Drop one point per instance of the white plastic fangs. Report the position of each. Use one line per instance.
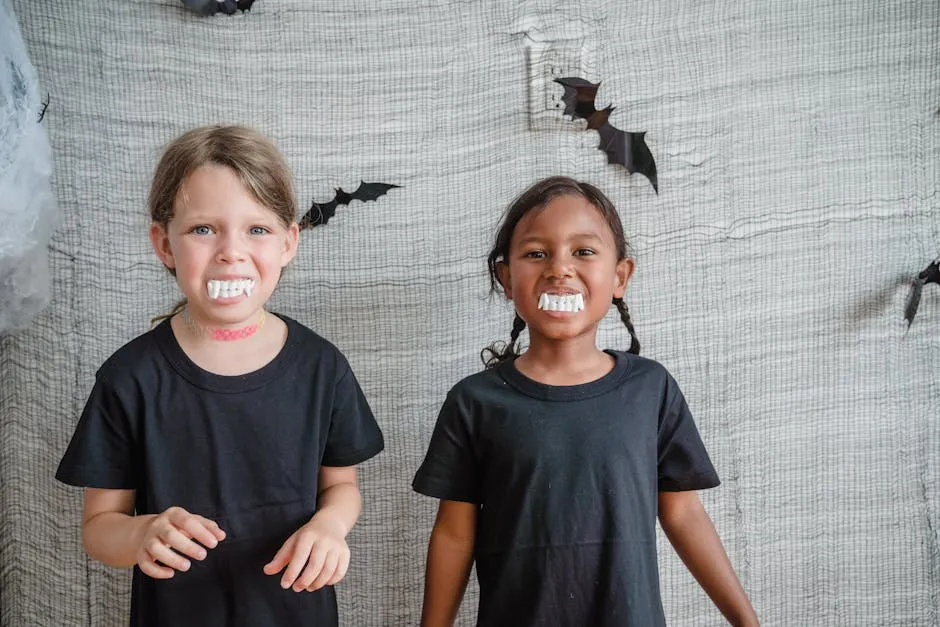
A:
(230, 289)
(561, 302)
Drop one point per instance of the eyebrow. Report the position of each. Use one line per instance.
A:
(528, 239)
(198, 216)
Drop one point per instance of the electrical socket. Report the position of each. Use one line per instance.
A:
(559, 64)
(548, 60)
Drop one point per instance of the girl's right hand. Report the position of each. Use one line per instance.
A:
(172, 536)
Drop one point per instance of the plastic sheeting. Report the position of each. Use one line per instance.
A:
(28, 210)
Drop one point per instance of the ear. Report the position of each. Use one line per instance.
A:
(622, 276)
(291, 240)
(505, 278)
(161, 245)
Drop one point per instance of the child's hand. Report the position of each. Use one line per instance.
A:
(169, 537)
(318, 549)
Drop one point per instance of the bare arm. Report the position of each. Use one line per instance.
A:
(339, 500)
(110, 531)
(694, 538)
(317, 555)
(450, 556)
(158, 543)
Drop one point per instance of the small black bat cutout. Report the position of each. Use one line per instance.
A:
(622, 147)
(45, 105)
(211, 7)
(930, 274)
(320, 213)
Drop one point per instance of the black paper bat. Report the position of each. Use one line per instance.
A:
(623, 147)
(930, 274)
(320, 213)
(211, 7)
(45, 105)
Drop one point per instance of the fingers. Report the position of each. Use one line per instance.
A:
(310, 564)
(303, 544)
(165, 555)
(206, 531)
(341, 569)
(330, 564)
(175, 539)
(172, 537)
(311, 558)
(201, 529)
(152, 569)
(315, 564)
(281, 558)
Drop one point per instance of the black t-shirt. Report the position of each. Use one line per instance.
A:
(243, 450)
(567, 479)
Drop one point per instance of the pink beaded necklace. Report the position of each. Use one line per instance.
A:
(223, 335)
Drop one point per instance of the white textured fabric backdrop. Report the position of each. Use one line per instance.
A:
(797, 145)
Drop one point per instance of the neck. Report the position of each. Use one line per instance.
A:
(569, 362)
(223, 334)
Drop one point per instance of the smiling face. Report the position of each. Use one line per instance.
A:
(562, 271)
(226, 249)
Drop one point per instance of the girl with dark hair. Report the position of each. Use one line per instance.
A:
(553, 464)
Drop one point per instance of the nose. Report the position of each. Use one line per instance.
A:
(558, 267)
(231, 248)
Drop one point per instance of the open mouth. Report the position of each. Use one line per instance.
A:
(561, 302)
(230, 289)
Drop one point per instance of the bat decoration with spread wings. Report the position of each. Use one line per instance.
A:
(930, 274)
(320, 213)
(211, 7)
(622, 147)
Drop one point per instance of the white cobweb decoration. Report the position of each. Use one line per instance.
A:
(28, 211)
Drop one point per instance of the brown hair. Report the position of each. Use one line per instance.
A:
(253, 158)
(536, 197)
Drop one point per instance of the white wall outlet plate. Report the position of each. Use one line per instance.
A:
(546, 61)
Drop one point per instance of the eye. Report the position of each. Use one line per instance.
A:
(583, 252)
(534, 254)
(258, 230)
(202, 229)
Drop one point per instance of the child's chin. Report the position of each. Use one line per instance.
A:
(560, 315)
(231, 300)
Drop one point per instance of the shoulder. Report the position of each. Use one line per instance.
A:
(479, 394)
(314, 348)
(646, 373)
(135, 357)
(641, 366)
(478, 383)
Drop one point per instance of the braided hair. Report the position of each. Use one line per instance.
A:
(536, 197)
(625, 318)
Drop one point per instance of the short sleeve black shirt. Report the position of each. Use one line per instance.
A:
(244, 451)
(567, 479)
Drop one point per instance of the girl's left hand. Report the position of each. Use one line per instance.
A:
(315, 555)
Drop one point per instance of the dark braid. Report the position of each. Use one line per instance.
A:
(518, 324)
(625, 318)
(497, 353)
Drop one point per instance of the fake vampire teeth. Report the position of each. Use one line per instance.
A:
(561, 302)
(230, 289)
